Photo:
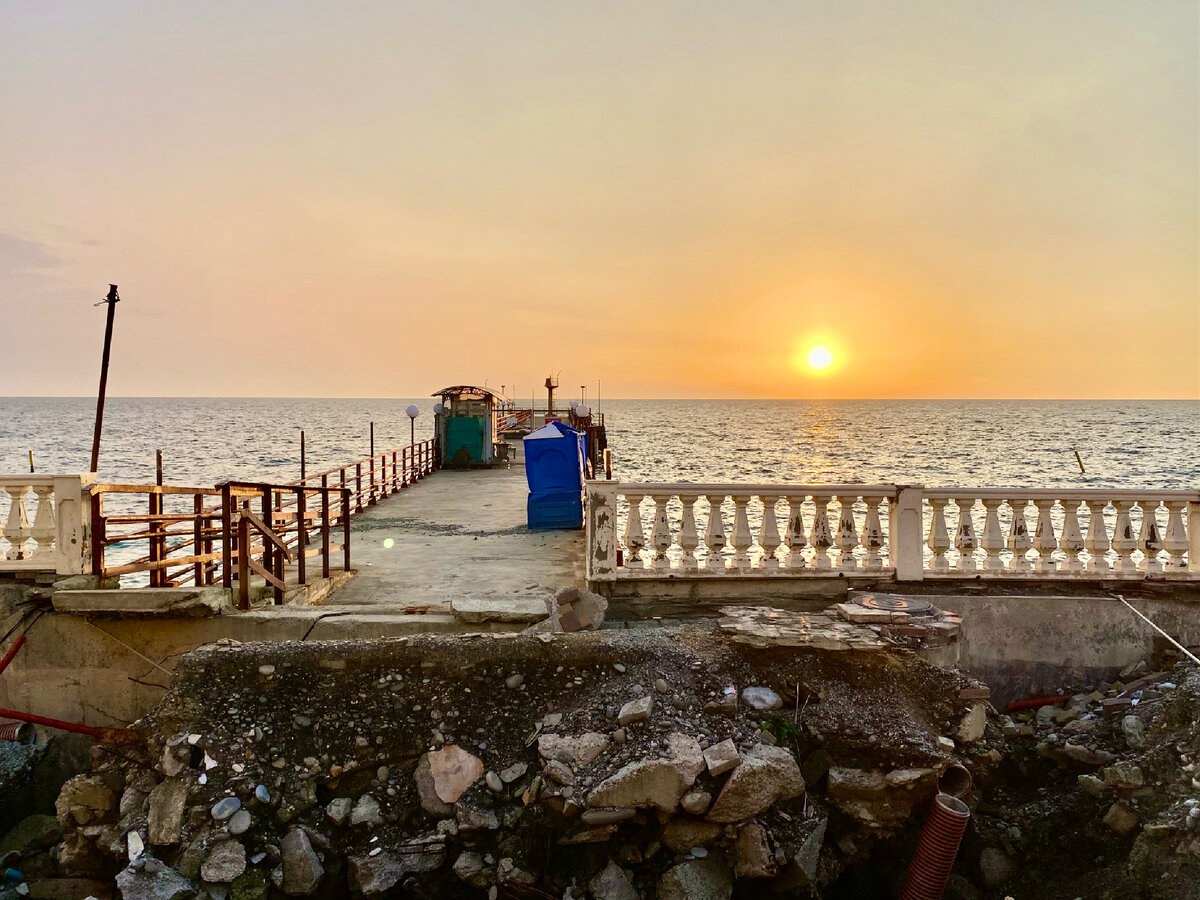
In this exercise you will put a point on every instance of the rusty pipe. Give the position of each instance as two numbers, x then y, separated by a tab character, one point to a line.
936	850
955	781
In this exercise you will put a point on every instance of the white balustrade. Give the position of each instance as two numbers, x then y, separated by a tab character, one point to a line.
831	530
43	523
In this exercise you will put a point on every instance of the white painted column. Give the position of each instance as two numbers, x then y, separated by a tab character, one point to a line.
906	533
1098	542
1044	541
17	529
1018	537
794	536
743	540
635	538
1176	542
965	541
660	534
1193	533
821	538
1149	538
602	532
1123	541
769	538
44	528
847	536
714	535
689	540
993	536
1071	541
939	538
872	536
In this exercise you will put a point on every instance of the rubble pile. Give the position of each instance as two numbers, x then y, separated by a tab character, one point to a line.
662	763
1101	791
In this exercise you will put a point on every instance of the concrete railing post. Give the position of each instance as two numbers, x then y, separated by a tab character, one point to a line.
601	534
73	523
1193	533
906	527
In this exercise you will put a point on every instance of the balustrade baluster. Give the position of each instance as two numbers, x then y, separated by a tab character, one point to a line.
689	539
742	540
794	537
1071	541
1123	541
44	522
993	536
939	537
1019	541
847	536
714	534
660	535
635	539
1150	538
4	493
17	529
872	537
821	538
1097	541
965	541
1045	541
769	538
1176	542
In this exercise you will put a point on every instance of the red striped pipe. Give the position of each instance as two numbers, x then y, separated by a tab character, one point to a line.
936	850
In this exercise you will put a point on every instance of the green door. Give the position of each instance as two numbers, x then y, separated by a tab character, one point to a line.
464	441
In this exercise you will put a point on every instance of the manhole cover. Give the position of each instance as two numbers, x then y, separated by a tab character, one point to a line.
894	603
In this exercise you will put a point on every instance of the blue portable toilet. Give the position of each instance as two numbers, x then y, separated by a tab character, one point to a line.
554	464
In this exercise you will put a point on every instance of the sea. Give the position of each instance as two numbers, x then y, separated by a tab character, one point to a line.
969	443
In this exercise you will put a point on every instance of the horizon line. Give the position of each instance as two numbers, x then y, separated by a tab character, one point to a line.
607	399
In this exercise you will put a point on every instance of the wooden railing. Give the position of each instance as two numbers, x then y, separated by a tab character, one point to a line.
373	478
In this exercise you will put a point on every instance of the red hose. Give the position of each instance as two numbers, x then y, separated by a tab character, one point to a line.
1034	704
49	723
936	850
8	657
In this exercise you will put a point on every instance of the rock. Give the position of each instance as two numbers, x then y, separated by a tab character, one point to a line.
722	757
762	699
338	810
1124	775
599	817
225	807
1131	727
577	752
471	870
1121	819
973	724
653	782
495	785
1086	755
683	833
78	856
226	862
168	802
766	775
378	874
1092	785
752	853
85	801
612	883
302	869
366	812
512	682
240	822
909	778
808	855
661	686
636	710
685	754
452	770
158	882
476	818
696	879
696	802
573	610
995	867
33	833
845	783
514	772
508	872
816	765
250	885
725	705
558	772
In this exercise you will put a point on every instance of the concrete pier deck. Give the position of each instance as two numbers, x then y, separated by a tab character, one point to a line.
458	542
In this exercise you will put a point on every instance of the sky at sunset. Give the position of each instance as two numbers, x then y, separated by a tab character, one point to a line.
681	199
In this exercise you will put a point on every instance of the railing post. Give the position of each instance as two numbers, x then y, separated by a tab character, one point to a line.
906	532
1193	534
395	481
358	487
268	517
72	506
371	498
227	538
98	536
601	539
157	576
243	531
301	533
324	530
198	538
346	530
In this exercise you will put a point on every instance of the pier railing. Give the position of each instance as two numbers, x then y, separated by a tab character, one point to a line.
43	523
639	531
373	478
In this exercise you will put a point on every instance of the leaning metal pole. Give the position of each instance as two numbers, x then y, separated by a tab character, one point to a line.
112	299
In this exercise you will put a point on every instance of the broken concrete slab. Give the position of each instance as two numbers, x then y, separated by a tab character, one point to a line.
145	602
523	610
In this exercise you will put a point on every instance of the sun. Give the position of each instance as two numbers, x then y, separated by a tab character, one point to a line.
819	357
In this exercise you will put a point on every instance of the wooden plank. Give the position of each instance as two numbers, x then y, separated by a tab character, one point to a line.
266	532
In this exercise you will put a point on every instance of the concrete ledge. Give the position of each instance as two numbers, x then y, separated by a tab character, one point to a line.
145	602
526	610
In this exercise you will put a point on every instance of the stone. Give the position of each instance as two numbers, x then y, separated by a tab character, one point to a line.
262	795
1131	728
612	883
908	778
85	801
600	817
696	802
470	869
495	785
1092	785
661	686
753	857
153	882
1121	819
846	783
512	682
225	807
250	885
1087	755
558	772
225	862
696	879
685	754
240	822
165	810
302	869
32	833
514	772
722	757
476	818
683	833
995	867
1124	775
808	855
766	776
453	770
577	752
972	726
378	874
366	812
660	783
725	705
636	711
338	810
762	699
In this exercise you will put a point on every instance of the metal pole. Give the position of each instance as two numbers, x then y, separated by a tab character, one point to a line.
112	299
372	438
30	462
412	432
158	470
303	470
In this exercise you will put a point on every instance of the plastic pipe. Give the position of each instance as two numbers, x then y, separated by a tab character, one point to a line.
8	657
936	850
1036	702
955	781
49	723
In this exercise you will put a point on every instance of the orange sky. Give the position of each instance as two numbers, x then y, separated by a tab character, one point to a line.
680	199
